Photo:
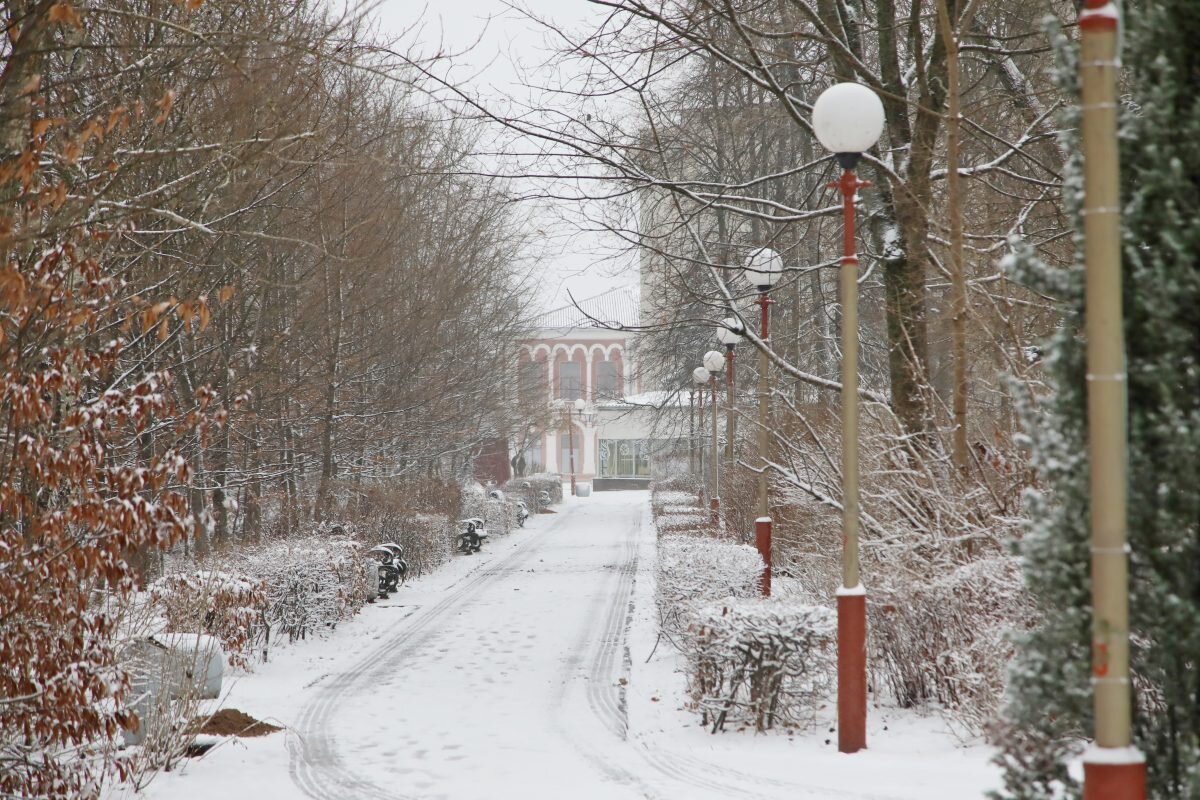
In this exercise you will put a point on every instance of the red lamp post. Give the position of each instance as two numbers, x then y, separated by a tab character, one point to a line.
700	377
763	269
848	119
714	362
577	406
1113	768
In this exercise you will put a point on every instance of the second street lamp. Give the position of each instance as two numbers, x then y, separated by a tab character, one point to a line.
763	270
700	378
848	120
714	362
729	333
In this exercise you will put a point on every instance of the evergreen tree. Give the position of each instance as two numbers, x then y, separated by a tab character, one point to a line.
1049	711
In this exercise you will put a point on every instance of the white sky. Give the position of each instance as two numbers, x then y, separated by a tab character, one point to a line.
494	45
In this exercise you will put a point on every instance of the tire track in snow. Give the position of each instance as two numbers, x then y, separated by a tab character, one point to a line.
607	698
315	766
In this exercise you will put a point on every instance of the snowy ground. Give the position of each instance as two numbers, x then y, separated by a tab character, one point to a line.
522	672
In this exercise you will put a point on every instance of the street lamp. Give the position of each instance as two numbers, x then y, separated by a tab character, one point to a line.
700	378
1113	768
848	119
714	362
578	405
729	333
763	269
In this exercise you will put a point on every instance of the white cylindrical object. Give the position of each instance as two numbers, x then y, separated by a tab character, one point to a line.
848	118
763	268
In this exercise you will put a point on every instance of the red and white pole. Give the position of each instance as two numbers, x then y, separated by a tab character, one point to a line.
851	597
1113	769
571	446
763	525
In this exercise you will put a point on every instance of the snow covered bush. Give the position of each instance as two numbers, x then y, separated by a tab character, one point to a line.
664	500
693	571
310	584
759	663
679	522
498	515
227	606
945	641
426	539
543	482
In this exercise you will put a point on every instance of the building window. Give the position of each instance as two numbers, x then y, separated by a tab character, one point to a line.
570	384
529	462
531	384
607	380
624	458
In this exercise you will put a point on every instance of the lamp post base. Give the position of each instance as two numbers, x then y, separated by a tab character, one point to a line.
852	669
762	540
1114	773
716	510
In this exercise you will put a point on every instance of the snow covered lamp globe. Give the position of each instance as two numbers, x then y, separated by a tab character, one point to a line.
848	120
700	376
714	361
763	269
729	332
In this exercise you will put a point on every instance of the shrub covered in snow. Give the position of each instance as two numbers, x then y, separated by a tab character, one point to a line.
426	538
670	500
310	584
681	522
759	663
693	571
542	482
230	607
498	515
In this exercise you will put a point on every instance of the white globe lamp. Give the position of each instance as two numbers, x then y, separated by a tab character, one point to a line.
730	331
848	120
714	361
763	268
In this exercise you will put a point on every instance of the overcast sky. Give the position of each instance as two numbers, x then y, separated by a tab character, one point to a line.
496	45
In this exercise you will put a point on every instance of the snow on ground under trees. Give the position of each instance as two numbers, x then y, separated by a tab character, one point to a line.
534	670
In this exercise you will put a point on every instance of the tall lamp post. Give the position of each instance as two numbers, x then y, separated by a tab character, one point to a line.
763	269
847	120
714	362
578	405
1113	769
729	333
700	378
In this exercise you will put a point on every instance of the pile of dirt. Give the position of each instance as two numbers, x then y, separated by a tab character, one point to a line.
231	722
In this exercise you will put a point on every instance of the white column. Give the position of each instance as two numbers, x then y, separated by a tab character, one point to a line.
589	450
551	452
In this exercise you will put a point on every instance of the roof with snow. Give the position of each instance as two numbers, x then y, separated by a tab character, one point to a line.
616	308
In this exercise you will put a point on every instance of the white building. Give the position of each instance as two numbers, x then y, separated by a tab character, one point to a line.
589	352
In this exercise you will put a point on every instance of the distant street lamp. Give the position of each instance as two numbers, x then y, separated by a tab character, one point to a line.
714	362
700	377
729	333
848	120
763	269
578	405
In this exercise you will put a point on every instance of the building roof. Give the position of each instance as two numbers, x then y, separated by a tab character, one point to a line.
616	308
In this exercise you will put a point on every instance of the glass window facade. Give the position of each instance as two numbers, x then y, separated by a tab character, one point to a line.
625	458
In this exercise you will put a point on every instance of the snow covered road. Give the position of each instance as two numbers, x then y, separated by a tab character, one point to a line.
530	671
486	687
